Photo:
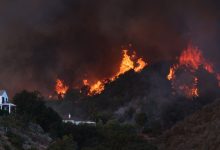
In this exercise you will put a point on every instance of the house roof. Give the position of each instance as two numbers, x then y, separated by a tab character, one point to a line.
7	104
2	92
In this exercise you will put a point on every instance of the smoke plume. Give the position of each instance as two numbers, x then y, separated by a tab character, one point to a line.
41	40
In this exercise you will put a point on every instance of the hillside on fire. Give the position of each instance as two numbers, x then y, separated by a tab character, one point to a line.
164	92
109	74
154	99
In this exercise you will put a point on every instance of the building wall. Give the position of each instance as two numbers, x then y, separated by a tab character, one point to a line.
5	97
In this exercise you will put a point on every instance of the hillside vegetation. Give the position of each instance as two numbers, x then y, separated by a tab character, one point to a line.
26	130
199	131
16	134
37	127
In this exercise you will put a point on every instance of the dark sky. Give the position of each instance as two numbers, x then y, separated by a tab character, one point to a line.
41	40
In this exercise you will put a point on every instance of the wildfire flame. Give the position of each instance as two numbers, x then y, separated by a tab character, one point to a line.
191	58
141	64
61	88
171	74
195	90
97	88
128	63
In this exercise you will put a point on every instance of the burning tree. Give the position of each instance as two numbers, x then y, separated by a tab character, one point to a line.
61	88
183	74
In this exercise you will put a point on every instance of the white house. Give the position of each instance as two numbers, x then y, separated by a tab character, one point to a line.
80	122
4	102
69	120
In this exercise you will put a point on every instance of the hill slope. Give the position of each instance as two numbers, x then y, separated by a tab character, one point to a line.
18	135
200	131
147	92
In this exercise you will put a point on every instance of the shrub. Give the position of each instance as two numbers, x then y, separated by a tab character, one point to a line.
66	143
141	119
31	105
15	140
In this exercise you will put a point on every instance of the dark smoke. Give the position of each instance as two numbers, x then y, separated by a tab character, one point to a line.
41	40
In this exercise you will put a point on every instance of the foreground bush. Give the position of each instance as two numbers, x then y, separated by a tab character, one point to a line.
31	106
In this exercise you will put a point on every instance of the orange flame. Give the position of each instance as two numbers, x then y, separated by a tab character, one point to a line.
60	88
85	82
126	64
171	74
192	58
190	90
141	64
97	88
195	92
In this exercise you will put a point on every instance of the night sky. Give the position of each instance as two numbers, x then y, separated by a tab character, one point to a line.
41	40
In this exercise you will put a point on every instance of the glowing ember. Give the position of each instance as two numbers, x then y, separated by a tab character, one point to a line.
192	59
189	91
195	90
60	88
85	82
171	74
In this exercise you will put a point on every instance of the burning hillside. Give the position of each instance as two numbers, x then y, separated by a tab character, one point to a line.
128	62
183	75
77	40
165	99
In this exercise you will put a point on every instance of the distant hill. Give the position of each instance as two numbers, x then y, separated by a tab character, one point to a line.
200	131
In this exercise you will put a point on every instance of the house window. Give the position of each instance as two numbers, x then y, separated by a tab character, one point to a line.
3	100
